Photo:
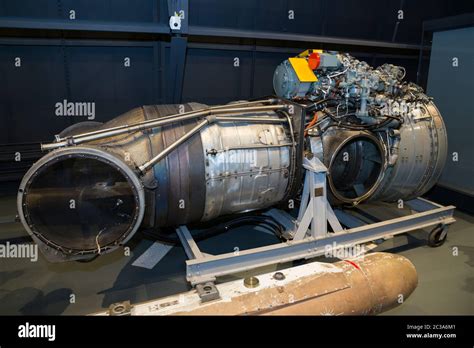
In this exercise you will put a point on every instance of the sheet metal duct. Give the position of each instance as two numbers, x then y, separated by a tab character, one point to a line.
388	165
90	198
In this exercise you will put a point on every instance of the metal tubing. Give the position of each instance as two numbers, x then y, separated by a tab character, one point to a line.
243	147
106	133
173	116
100	131
250	119
79	139
147	165
144	167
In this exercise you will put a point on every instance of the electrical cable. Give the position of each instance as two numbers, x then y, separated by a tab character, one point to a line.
388	119
258	220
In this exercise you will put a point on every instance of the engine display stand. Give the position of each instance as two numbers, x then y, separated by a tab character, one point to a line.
307	235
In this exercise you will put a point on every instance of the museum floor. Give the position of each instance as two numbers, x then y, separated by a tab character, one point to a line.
446	282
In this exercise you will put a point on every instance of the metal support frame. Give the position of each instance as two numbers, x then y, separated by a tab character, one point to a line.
207	290
176	69
178	48
307	235
192	30
314	209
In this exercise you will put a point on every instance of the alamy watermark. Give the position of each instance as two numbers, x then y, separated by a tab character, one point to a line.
342	252
28	330
403	108
67	108
21	251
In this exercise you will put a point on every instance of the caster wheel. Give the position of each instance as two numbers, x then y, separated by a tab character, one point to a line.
437	236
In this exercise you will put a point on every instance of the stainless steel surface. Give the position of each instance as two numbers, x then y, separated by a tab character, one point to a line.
250	119
172	117
147	165
141	126
422	154
190	247
247	166
191	166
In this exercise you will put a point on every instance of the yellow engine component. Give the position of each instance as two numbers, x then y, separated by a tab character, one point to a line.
302	69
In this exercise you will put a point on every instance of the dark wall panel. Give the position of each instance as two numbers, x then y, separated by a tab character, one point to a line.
210	76
422	10
51	74
30	92
452	89
225	14
366	19
266	15
30	8
100	10
98	74
60	62
361	19
112	10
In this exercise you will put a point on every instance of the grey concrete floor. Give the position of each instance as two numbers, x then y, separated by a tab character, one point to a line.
446	280
445	274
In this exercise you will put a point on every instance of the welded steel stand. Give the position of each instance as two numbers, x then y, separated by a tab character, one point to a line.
314	210
307	235
206	289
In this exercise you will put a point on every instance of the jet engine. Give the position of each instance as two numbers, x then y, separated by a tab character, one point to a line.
169	165
159	166
380	137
